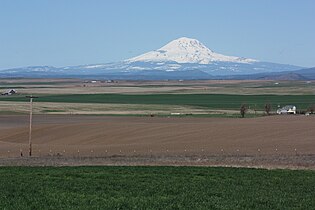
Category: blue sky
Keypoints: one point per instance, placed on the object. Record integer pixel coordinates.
(74, 32)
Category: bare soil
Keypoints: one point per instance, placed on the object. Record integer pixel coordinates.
(76, 86)
(275, 141)
(251, 161)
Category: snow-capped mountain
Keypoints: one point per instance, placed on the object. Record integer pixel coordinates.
(183, 58)
(186, 50)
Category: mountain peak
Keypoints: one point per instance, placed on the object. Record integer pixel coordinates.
(187, 50)
(186, 45)
(185, 41)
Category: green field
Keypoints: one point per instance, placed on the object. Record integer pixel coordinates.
(214, 101)
(155, 188)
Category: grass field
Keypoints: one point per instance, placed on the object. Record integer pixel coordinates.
(213, 101)
(155, 188)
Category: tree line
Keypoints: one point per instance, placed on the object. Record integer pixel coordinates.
(268, 108)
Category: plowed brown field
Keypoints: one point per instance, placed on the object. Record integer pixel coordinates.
(103, 135)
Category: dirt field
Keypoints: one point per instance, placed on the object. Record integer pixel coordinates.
(177, 139)
(104, 109)
(76, 86)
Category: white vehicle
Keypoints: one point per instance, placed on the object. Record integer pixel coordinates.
(288, 109)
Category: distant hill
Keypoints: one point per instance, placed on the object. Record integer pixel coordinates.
(307, 73)
(303, 74)
(284, 76)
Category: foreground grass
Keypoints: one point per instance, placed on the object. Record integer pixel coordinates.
(214, 101)
(155, 188)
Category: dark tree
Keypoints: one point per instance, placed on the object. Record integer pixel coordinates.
(267, 108)
(311, 109)
(243, 110)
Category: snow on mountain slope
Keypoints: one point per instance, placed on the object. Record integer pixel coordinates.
(182, 58)
(186, 50)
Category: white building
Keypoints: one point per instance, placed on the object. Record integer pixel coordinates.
(288, 109)
(9, 92)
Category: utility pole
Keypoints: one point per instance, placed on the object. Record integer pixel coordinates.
(31, 120)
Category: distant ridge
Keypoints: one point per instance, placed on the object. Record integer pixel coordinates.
(284, 76)
(308, 73)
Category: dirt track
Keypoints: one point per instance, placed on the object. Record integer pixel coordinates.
(94, 136)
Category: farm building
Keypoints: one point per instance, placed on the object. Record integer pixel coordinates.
(9, 92)
(288, 109)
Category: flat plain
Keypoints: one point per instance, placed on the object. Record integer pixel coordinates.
(222, 97)
(125, 141)
(157, 123)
